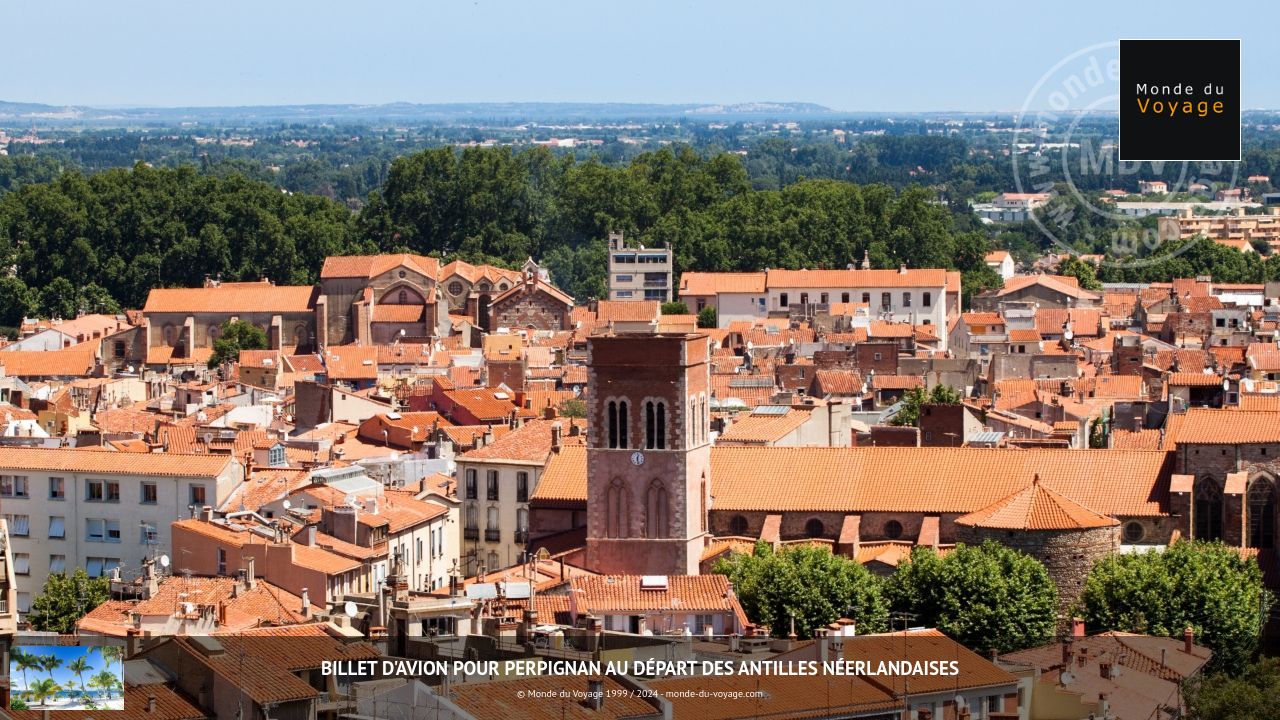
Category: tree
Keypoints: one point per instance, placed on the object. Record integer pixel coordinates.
(573, 408)
(707, 318)
(65, 599)
(79, 666)
(44, 689)
(16, 301)
(807, 585)
(675, 308)
(913, 399)
(24, 661)
(236, 335)
(1208, 587)
(987, 597)
(105, 680)
(1249, 696)
(1082, 271)
(59, 299)
(50, 663)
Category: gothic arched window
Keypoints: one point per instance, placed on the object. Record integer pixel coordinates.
(657, 511)
(1261, 510)
(1208, 509)
(655, 425)
(616, 525)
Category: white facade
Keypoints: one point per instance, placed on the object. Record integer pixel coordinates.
(494, 527)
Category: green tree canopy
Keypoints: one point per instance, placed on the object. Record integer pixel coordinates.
(1254, 694)
(707, 318)
(675, 308)
(913, 399)
(236, 335)
(987, 597)
(65, 599)
(573, 408)
(1206, 586)
(807, 584)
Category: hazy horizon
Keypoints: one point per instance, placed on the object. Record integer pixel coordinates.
(850, 58)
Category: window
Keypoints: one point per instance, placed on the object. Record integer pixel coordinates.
(927, 300)
(804, 298)
(149, 535)
(57, 527)
(471, 485)
(886, 300)
(844, 297)
(623, 278)
(906, 299)
(13, 486)
(113, 530)
(222, 561)
(1208, 509)
(657, 517)
(617, 524)
(814, 528)
(783, 300)
(113, 491)
(119, 348)
(57, 488)
(737, 525)
(471, 521)
(1134, 532)
(522, 487)
(21, 564)
(419, 555)
(57, 564)
(617, 421)
(19, 525)
(93, 490)
(1261, 510)
(866, 298)
(655, 425)
(94, 529)
(149, 496)
(624, 293)
(493, 560)
(24, 602)
(822, 298)
(491, 484)
(893, 529)
(276, 455)
(196, 493)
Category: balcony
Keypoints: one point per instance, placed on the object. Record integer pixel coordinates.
(492, 535)
(471, 533)
(522, 537)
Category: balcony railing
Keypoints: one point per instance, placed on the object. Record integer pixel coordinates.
(522, 537)
(471, 533)
(492, 535)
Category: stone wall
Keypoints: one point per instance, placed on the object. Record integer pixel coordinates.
(1068, 555)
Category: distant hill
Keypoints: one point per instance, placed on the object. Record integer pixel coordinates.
(17, 113)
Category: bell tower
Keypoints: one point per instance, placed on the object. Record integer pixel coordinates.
(648, 452)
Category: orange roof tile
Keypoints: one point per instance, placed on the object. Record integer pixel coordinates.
(1194, 379)
(83, 461)
(1065, 285)
(1036, 507)
(75, 361)
(351, 362)
(392, 313)
(605, 594)
(628, 310)
(367, 266)
(928, 277)
(529, 443)
(709, 283)
(1209, 426)
(757, 429)
(247, 297)
(1135, 440)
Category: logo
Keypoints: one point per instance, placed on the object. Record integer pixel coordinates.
(1180, 100)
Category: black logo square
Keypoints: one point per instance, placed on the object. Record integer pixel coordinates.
(1180, 100)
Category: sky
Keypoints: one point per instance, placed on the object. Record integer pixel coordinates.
(62, 676)
(850, 56)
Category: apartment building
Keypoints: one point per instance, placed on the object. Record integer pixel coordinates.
(1235, 229)
(639, 273)
(100, 510)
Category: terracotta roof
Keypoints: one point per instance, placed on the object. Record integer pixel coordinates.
(483, 403)
(367, 266)
(887, 479)
(531, 442)
(628, 310)
(997, 256)
(881, 329)
(465, 435)
(1065, 285)
(83, 461)
(1139, 440)
(1194, 379)
(232, 298)
(1209, 426)
(1259, 403)
(269, 359)
(756, 429)
(837, 382)
(1024, 335)
(982, 318)
(927, 278)
(706, 283)
(1085, 322)
(126, 420)
(896, 382)
(392, 313)
(531, 286)
(611, 594)
(75, 361)
(1036, 507)
(351, 362)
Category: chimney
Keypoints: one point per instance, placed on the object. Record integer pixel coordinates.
(311, 535)
(902, 269)
(549, 412)
(555, 437)
(595, 694)
(250, 581)
(206, 513)
(373, 506)
(222, 619)
(151, 704)
(1104, 707)
(1188, 639)
(821, 635)
(306, 604)
(1067, 652)
(1077, 627)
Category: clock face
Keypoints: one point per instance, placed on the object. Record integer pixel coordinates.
(637, 458)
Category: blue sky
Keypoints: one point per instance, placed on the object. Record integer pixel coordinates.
(856, 56)
(61, 675)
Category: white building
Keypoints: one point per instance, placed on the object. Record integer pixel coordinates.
(96, 510)
(1002, 262)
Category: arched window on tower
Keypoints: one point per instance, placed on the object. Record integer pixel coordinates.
(657, 515)
(1261, 511)
(611, 411)
(1208, 509)
(655, 425)
(616, 510)
(624, 439)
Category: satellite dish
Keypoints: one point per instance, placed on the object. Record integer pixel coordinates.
(286, 504)
(349, 608)
(164, 561)
(1067, 678)
(1068, 334)
(187, 608)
